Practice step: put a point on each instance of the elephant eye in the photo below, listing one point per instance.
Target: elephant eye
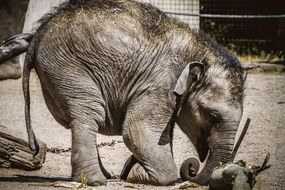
(211, 116)
(215, 116)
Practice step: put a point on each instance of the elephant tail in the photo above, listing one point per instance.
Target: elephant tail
(28, 66)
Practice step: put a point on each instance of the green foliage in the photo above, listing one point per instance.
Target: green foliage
(265, 50)
(217, 31)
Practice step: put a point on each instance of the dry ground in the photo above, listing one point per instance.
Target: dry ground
(264, 104)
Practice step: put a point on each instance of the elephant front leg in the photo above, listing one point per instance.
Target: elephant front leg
(128, 166)
(150, 144)
(85, 157)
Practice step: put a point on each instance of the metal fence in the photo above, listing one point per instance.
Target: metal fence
(180, 9)
(245, 24)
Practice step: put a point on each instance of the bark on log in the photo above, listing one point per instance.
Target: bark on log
(15, 152)
(14, 46)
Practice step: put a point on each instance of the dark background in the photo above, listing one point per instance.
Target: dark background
(12, 17)
(246, 34)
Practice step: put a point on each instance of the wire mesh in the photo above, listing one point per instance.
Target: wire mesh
(251, 24)
(243, 23)
(182, 9)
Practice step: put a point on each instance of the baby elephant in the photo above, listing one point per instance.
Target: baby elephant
(119, 67)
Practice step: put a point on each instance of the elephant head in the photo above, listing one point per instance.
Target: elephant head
(210, 100)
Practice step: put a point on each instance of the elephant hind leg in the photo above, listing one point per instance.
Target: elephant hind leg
(75, 98)
(57, 107)
(86, 107)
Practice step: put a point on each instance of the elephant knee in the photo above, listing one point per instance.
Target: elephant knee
(165, 176)
(168, 177)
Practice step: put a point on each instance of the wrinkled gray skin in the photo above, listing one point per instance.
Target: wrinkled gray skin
(118, 68)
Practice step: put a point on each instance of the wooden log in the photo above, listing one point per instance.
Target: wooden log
(14, 46)
(15, 152)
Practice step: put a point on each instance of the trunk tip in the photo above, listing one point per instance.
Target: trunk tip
(189, 168)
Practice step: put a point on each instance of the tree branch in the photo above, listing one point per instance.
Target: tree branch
(240, 140)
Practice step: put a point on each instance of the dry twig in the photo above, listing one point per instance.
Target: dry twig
(240, 140)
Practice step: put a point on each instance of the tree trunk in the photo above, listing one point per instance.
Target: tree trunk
(15, 152)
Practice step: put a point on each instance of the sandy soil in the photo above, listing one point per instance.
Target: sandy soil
(264, 104)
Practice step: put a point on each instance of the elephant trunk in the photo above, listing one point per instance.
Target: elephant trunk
(220, 142)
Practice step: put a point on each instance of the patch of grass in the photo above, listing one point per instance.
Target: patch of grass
(83, 180)
(250, 49)
(263, 57)
(255, 52)
(259, 183)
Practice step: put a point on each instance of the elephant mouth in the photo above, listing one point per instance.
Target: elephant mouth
(202, 149)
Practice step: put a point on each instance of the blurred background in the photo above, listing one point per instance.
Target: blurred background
(253, 29)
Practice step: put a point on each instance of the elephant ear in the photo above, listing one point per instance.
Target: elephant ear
(191, 73)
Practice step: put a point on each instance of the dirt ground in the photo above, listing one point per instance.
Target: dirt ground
(264, 104)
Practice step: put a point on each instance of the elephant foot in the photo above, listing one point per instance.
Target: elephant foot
(85, 157)
(139, 175)
(90, 176)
